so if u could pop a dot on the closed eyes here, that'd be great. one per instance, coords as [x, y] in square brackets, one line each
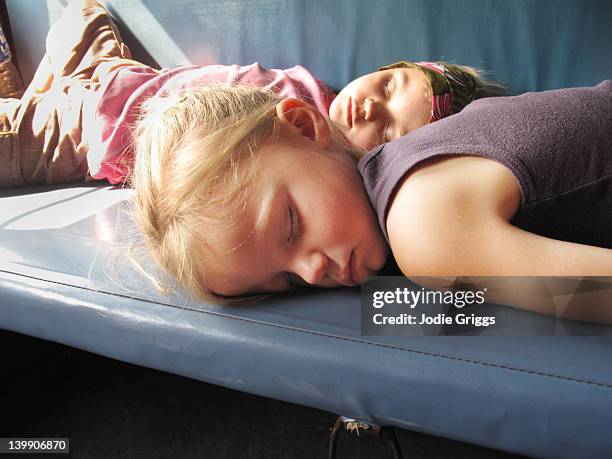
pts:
[293, 225]
[386, 138]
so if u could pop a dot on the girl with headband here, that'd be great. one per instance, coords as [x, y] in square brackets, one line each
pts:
[76, 119]
[384, 105]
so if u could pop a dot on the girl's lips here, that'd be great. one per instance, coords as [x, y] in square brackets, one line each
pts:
[349, 113]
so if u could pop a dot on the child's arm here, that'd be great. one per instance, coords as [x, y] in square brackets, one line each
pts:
[448, 224]
[578, 298]
[458, 243]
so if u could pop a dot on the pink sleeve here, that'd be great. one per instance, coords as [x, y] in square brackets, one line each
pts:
[111, 150]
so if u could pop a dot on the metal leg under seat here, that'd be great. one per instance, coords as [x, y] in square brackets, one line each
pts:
[354, 425]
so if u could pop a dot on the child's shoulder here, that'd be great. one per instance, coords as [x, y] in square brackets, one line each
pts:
[443, 189]
[439, 206]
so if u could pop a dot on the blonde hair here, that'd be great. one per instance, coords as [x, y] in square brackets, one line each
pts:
[195, 158]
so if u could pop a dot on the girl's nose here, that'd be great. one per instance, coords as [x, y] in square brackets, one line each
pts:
[312, 267]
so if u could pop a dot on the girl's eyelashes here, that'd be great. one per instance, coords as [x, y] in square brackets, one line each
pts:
[386, 137]
[387, 93]
[293, 233]
[293, 225]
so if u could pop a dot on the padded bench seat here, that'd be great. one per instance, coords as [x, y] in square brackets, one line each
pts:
[64, 277]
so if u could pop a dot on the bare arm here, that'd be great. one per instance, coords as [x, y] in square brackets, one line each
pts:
[455, 226]
[578, 298]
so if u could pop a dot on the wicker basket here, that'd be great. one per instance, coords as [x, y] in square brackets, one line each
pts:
[10, 80]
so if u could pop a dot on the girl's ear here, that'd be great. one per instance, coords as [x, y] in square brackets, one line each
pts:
[302, 118]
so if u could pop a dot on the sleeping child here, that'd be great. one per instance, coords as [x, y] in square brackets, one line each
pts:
[77, 117]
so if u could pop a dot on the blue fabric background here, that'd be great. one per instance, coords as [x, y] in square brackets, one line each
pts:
[526, 44]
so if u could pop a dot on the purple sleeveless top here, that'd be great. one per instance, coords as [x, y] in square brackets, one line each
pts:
[558, 144]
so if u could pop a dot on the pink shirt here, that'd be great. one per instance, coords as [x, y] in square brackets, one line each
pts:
[110, 154]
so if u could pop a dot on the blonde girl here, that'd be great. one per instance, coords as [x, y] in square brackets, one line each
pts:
[240, 193]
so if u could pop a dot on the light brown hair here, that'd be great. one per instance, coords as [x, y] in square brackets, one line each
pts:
[196, 153]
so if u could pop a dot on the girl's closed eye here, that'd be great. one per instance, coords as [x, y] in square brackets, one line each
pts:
[291, 279]
[385, 132]
[293, 225]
